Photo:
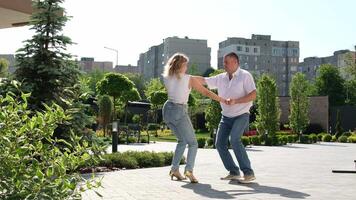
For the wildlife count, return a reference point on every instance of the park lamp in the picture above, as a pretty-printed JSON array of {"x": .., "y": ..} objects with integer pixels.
[
  {"x": 114, "y": 126},
  {"x": 115, "y": 137}
]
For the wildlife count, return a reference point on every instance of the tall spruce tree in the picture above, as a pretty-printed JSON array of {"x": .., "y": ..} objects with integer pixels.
[{"x": 44, "y": 67}]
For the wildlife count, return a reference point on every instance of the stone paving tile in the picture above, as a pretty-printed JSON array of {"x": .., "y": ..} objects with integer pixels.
[{"x": 290, "y": 172}]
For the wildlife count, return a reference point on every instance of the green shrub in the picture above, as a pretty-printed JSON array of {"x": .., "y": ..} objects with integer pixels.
[
  {"x": 327, "y": 138},
  {"x": 296, "y": 137},
  {"x": 255, "y": 140},
  {"x": 313, "y": 138},
  {"x": 245, "y": 140},
  {"x": 333, "y": 139},
  {"x": 201, "y": 142},
  {"x": 32, "y": 164},
  {"x": 290, "y": 139},
  {"x": 210, "y": 142},
  {"x": 272, "y": 141},
  {"x": 304, "y": 139},
  {"x": 283, "y": 139},
  {"x": 153, "y": 127},
  {"x": 121, "y": 161},
  {"x": 351, "y": 139},
  {"x": 320, "y": 136},
  {"x": 346, "y": 134},
  {"x": 132, "y": 140},
  {"x": 144, "y": 140},
  {"x": 342, "y": 139},
  {"x": 168, "y": 156},
  {"x": 136, "y": 159}
]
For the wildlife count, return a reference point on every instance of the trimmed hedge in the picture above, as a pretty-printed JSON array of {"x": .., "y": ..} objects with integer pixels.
[
  {"x": 245, "y": 140},
  {"x": 255, "y": 140},
  {"x": 136, "y": 159},
  {"x": 201, "y": 142},
  {"x": 313, "y": 138},
  {"x": 342, "y": 139},
  {"x": 327, "y": 138},
  {"x": 210, "y": 142}
]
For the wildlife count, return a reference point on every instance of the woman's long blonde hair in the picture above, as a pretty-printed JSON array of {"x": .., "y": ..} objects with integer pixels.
[{"x": 174, "y": 65}]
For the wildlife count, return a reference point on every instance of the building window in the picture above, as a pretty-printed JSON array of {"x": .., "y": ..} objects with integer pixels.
[
  {"x": 284, "y": 60},
  {"x": 247, "y": 49},
  {"x": 239, "y": 48},
  {"x": 255, "y": 50},
  {"x": 255, "y": 58}
]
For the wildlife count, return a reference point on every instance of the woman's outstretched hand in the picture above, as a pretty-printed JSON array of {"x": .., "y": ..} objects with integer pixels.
[{"x": 230, "y": 101}]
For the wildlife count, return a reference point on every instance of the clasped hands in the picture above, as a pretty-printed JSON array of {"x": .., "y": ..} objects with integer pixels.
[{"x": 229, "y": 101}]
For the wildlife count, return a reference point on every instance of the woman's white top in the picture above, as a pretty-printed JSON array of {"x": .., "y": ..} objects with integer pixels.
[{"x": 178, "y": 89}]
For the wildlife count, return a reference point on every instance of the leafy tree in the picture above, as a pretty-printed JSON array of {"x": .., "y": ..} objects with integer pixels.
[
  {"x": 193, "y": 69},
  {"x": 157, "y": 99},
  {"x": 138, "y": 80},
  {"x": 43, "y": 66},
  {"x": 329, "y": 82},
  {"x": 351, "y": 64},
  {"x": 299, "y": 103},
  {"x": 350, "y": 87},
  {"x": 4, "y": 65},
  {"x": 115, "y": 85},
  {"x": 131, "y": 95},
  {"x": 213, "y": 112},
  {"x": 93, "y": 78},
  {"x": 105, "y": 111},
  {"x": 209, "y": 71},
  {"x": 153, "y": 85},
  {"x": 213, "y": 116},
  {"x": 312, "y": 90},
  {"x": 268, "y": 106},
  {"x": 32, "y": 164}
]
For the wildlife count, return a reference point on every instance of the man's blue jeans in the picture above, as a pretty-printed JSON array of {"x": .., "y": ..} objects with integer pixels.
[
  {"x": 177, "y": 119},
  {"x": 234, "y": 127}
]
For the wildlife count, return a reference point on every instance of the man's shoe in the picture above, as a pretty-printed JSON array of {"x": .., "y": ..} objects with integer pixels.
[
  {"x": 247, "y": 179},
  {"x": 231, "y": 177}
]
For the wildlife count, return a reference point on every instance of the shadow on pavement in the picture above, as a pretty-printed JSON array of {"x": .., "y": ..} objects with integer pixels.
[
  {"x": 257, "y": 188},
  {"x": 254, "y": 150},
  {"x": 206, "y": 191},
  {"x": 292, "y": 147}
]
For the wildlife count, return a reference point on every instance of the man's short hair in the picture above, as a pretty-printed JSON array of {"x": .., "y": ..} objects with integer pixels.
[{"x": 233, "y": 55}]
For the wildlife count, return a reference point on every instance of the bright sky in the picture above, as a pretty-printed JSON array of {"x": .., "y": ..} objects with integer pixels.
[{"x": 132, "y": 26}]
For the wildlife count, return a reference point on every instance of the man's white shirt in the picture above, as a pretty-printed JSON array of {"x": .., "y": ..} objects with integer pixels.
[{"x": 240, "y": 85}]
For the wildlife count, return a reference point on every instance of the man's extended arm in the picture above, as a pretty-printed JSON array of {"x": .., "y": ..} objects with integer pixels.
[{"x": 249, "y": 97}]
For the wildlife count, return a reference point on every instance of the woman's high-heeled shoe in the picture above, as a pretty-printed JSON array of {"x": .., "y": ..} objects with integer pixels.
[
  {"x": 191, "y": 177},
  {"x": 176, "y": 173}
]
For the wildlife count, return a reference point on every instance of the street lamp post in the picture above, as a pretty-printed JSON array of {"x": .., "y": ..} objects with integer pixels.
[
  {"x": 115, "y": 136},
  {"x": 117, "y": 54}
]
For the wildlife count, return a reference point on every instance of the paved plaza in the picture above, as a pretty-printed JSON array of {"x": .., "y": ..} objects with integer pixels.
[{"x": 297, "y": 171}]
